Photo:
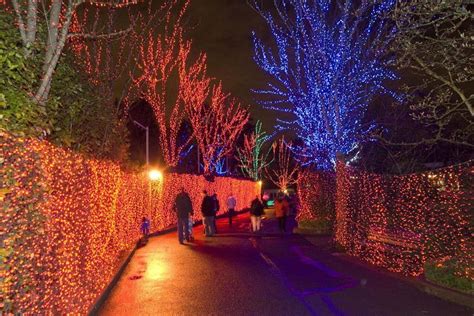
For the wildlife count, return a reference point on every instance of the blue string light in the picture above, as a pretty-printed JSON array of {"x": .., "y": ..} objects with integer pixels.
[{"x": 328, "y": 62}]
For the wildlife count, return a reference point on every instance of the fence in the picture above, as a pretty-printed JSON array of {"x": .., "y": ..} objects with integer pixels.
[
  {"x": 67, "y": 221},
  {"x": 401, "y": 222}
]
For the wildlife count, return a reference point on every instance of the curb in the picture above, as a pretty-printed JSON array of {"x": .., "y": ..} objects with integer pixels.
[
  {"x": 310, "y": 232},
  {"x": 423, "y": 285},
  {"x": 94, "y": 309},
  {"x": 448, "y": 294}
]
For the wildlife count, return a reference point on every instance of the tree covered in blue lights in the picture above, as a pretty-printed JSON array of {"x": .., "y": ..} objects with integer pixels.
[{"x": 327, "y": 61}]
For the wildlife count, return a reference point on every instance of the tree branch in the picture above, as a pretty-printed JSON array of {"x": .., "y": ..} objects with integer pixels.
[
  {"x": 458, "y": 91},
  {"x": 424, "y": 141},
  {"x": 89, "y": 36},
  {"x": 21, "y": 23}
]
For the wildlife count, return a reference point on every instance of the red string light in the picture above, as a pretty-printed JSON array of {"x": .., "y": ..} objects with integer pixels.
[
  {"x": 316, "y": 193},
  {"x": 64, "y": 216},
  {"x": 158, "y": 58},
  {"x": 216, "y": 125},
  {"x": 401, "y": 222},
  {"x": 284, "y": 172}
]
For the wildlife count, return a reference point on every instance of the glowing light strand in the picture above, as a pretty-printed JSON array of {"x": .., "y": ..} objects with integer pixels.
[
  {"x": 216, "y": 126},
  {"x": 327, "y": 64},
  {"x": 252, "y": 158},
  {"x": 402, "y": 222},
  {"x": 158, "y": 58},
  {"x": 285, "y": 170},
  {"x": 63, "y": 215}
]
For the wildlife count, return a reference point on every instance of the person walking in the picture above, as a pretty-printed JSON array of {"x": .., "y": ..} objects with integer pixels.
[
  {"x": 281, "y": 212},
  {"x": 256, "y": 212},
  {"x": 217, "y": 208},
  {"x": 208, "y": 212},
  {"x": 184, "y": 209},
  {"x": 231, "y": 203}
]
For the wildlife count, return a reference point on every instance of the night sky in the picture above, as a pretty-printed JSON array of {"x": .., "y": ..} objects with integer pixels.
[{"x": 223, "y": 29}]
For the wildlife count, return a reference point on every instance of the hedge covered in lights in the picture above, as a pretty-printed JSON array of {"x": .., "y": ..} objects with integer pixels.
[
  {"x": 316, "y": 191},
  {"x": 67, "y": 221},
  {"x": 402, "y": 222}
]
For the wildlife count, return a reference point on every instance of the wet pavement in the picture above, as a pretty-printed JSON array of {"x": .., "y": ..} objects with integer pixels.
[{"x": 237, "y": 273}]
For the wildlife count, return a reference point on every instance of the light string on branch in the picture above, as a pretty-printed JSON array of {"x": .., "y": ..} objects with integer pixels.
[
  {"x": 284, "y": 171},
  {"x": 217, "y": 124},
  {"x": 326, "y": 62},
  {"x": 252, "y": 157}
]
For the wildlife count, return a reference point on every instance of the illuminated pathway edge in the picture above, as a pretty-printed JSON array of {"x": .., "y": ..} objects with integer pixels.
[{"x": 236, "y": 273}]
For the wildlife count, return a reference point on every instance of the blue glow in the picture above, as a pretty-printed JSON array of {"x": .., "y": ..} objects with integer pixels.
[
  {"x": 327, "y": 63},
  {"x": 218, "y": 165}
]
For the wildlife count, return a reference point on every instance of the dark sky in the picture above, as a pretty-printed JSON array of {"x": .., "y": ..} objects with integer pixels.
[{"x": 223, "y": 29}]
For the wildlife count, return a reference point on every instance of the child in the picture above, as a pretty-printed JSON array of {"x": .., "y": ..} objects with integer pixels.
[{"x": 145, "y": 227}]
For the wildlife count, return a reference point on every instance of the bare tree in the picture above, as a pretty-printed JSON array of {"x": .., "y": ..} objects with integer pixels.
[
  {"x": 435, "y": 43},
  {"x": 285, "y": 170}
]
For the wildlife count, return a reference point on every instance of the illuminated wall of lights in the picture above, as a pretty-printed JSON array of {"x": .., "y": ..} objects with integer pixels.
[
  {"x": 401, "y": 222},
  {"x": 316, "y": 192},
  {"x": 67, "y": 221}
]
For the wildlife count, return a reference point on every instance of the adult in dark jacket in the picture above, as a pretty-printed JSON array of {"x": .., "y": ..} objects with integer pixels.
[
  {"x": 184, "y": 208},
  {"x": 217, "y": 208},
  {"x": 256, "y": 212},
  {"x": 208, "y": 212}
]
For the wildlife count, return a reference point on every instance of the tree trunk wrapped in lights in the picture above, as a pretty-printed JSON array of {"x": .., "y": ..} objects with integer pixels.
[
  {"x": 159, "y": 59},
  {"x": 252, "y": 157},
  {"x": 216, "y": 125},
  {"x": 285, "y": 171}
]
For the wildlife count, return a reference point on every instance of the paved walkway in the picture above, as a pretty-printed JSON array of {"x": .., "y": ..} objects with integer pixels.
[{"x": 236, "y": 273}]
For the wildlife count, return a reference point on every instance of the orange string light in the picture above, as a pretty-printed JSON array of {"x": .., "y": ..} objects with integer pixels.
[
  {"x": 401, "y": 222},
  {"x": 67, "y": 221}
]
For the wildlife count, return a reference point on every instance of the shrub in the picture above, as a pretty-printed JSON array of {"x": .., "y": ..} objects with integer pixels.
[{"x": 444, "y": 273}]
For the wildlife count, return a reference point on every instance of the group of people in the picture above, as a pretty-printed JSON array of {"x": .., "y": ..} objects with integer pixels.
[{"x": 210, "y": 207}]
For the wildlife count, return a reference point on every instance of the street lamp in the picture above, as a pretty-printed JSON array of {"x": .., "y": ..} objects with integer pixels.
[
  {"x": 155, "y": 175},
  {"x": 147, "y": 140}
]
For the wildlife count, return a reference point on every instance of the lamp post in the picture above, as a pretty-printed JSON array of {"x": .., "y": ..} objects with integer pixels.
[{"x": 147, "y": 140}]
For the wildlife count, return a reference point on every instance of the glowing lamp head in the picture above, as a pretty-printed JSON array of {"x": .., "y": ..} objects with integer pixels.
[
  {"x": 260, "y": 182},
  {"x": 155, "y": 175}
]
